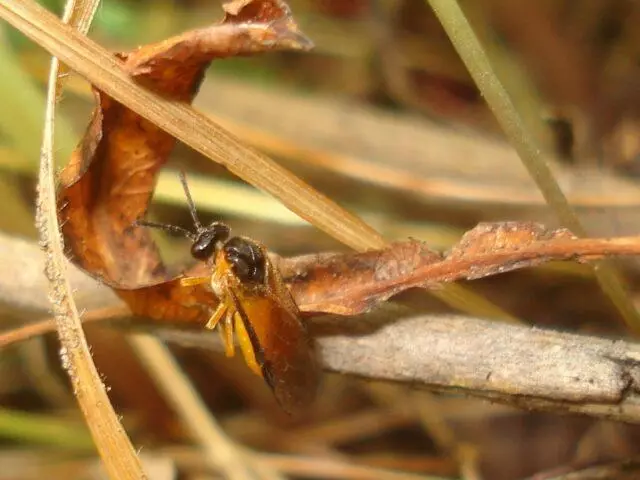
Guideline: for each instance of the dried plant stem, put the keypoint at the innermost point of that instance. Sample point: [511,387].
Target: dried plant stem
[49,324]
[475,58]
[116,451]
[220,450]
[514,365]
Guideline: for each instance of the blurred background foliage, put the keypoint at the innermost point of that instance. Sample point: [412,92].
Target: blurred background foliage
[383,117]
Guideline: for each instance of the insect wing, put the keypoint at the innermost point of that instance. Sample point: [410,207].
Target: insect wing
[282,348]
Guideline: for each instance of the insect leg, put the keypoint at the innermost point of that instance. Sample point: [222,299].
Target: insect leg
[245,345]
[217,315]
[226,330]
[193,281]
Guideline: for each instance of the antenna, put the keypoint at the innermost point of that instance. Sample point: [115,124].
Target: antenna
[175,229]
[165,226]
[204,240]
[190,203]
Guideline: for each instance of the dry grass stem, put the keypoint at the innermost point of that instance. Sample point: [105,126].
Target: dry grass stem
[116,451]
[48,325]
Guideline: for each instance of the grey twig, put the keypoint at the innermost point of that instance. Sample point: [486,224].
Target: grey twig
[522,366]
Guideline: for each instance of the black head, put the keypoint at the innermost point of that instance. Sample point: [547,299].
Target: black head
[206,240]
[246,259]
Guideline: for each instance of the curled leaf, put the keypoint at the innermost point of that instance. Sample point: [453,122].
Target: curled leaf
[506,238]
[349,284]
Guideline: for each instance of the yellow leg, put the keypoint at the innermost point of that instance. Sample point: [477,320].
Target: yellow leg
[217,315]
[245,345]
[193,281]
[226,330]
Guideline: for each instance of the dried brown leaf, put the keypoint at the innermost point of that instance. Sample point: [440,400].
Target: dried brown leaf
[349,284]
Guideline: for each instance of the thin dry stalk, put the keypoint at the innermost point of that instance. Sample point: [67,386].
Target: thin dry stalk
[48,325]
[116,451]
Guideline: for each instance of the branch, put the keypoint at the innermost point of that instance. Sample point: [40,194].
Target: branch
[521,366]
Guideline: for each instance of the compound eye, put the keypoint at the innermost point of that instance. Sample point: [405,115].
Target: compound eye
[203,248]
[246,259]
[206,241]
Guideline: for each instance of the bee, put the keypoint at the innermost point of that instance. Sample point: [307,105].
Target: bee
[255,307]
